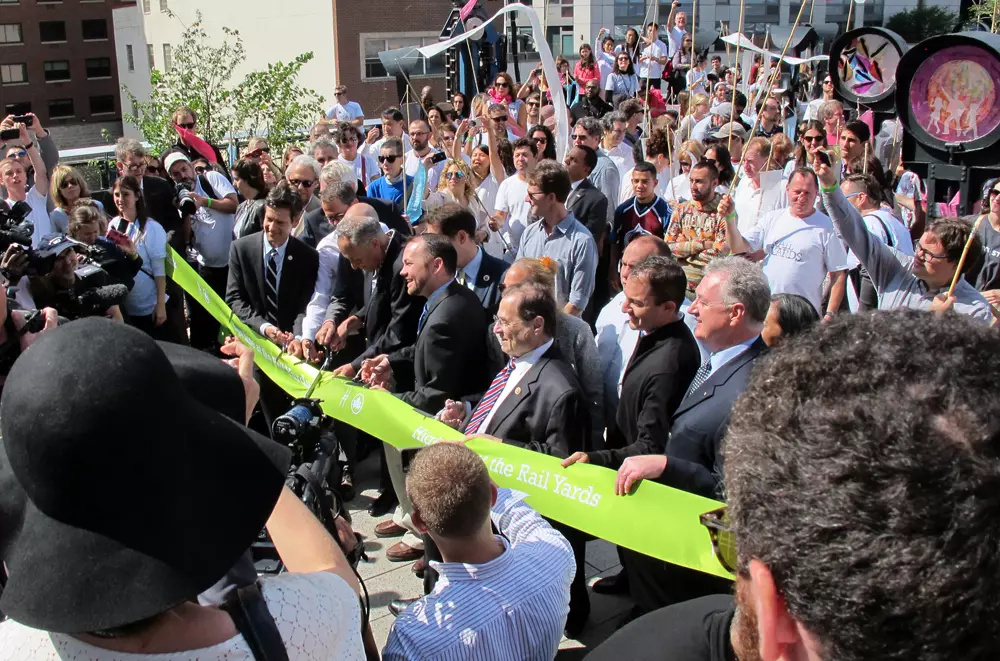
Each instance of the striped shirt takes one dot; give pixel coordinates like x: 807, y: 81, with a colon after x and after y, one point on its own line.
x: 512, y: 607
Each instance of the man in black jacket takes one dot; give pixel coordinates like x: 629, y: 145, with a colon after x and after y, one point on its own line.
x: 271, y: 278
x: 591, y: 104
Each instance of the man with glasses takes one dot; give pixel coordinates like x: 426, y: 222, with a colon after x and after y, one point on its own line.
x: 303, y: 176
x: 186, y: 118
x: 212, y: 230
x: 420, y: 133
x: 589, y: 131
x: 14, y: 179
x: 812, y: 111
x: 770, y: 117
x: 349, y: 137
x: 591, y: 104
x: 391, y: 185
x: 902, y: 281
x: 344, y: 110
x: 618, y: 149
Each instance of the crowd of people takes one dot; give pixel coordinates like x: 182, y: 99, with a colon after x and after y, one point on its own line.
x: 742, y: 296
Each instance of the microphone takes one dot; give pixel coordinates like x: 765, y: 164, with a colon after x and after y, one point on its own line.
x: 102, y: 298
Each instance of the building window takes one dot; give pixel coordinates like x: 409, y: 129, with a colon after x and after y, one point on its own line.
x: 566, y: 12
x: 8, y: 2
x: 145, y: 6
x: 60, y: 108
x: 163, y: 5
x: 129, y: 57
x: 98, y: 67
x: 149, y: 54
x: 51, y: 31
x: 372, y: 45
x: 95, y: 29
x: 168, y: 57
x: 10, y: 33
x: 561, y: 40
x: 102, y: 105
x: 56, y: 71
x: 17, y: 108
x: 13, y: 74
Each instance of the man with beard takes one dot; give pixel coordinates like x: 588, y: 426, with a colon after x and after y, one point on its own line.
x: 696, y: 234
x: 420, y: 133
x: 591, y: 104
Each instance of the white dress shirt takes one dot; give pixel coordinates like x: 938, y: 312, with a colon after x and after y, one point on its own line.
x: 471, y: 270
x: 521, y: 367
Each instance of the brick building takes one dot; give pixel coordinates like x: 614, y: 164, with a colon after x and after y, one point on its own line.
x: 57, y: 60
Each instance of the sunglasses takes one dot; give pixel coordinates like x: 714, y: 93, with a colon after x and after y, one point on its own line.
x: 994, y: 192
x: 187, y: 125
x: 502, y: 118
x: 264, y: 150
x: 454, y: 175
x: 388, y: 159
x: 685, y: 165
x: 532, y: 104
x: 812, y: 138
x: 305, y: 183
x: 66, y: 183
x: 200, y: 169
x: 828, y: 82
x: 17, y: 154
x: 500, y: 84
x: 723, y: 543
x: 541, y: 139
x: 348, y: 139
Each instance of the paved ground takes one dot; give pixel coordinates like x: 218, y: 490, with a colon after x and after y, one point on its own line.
x: 391, y: 580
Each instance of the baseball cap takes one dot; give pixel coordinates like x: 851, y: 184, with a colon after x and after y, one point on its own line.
x: 723, y: 109
x: 731, y: 128
x: 172, y: 158
x: 56, y: 244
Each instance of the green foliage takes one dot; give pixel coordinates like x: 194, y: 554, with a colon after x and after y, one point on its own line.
x: 985, y: 11
x: 915, y: 25
x: 267, y: 103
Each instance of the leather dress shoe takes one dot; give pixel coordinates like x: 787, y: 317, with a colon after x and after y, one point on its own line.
x: 384, y: 504
x: 400, y: 552
x: 397, y: 606
x: 389, y: 529
x: 616, y: 584
x: 418, y: 567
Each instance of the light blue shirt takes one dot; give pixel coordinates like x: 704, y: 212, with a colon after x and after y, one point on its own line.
x: 572, y: 246
x: 512, y: 607
x: 438, y: 293
x: 280, y: 259
x: 471, y: 270
x: 720, y: 358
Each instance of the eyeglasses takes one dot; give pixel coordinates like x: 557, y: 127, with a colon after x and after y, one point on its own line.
x: 336, y: 218
x: 542, y: 139
x: 304, y: 183
x: 685, y: 164
x: 723, y: 541
x: 578, y: 137
x: 994, y: 192
x: 388, y: 159
x: 187, y: 125
x: 17, y: 154
x: 533, y: 104
x: 454, y: 175
x: 828, y: 82
x: 417, y: 133
x: 812, y: 138
x: 502, y: 118
x: 66, y: 183
x: 924, y: 253
x: 500, y: 84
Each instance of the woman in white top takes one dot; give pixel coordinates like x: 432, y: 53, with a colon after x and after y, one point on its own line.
x: 622, y: 83
x: 457, y: 186
x: 146, y: 305
x: 66, y: 189
x: 697, y: 110
x: 604, y: 51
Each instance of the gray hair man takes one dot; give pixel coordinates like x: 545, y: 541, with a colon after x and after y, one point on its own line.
x: 324, y: 150
x: 605, y: 176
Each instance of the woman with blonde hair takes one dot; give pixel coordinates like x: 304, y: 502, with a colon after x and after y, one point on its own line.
x: 458, y: 186
x: 67, y: 188
x: 697, y: 108
x: 679, y: 188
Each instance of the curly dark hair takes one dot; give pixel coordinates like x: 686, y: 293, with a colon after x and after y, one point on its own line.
x: 872, y: 493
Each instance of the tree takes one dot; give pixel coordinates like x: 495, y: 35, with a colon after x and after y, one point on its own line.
x: 267, y: 103
x: 915, y: 25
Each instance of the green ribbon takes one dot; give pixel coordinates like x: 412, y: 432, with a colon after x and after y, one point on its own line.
x: 655, y: 520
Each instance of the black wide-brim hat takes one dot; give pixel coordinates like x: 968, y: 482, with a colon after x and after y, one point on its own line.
x: 125, y: 492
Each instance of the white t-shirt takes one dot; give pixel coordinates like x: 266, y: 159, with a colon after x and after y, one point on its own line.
x: 317, y: 615
x: 375, y: 148
x: 39, y: 215
x: 798, y: 253
x: 676, y: 37
x: 365, y: 167
x: 345, y: 112
x: 649, y: 68
x: 487, y: 194
x: 512, y: 199
x: 213, y: 230
x: 900, y: 236
x: 753, y: 203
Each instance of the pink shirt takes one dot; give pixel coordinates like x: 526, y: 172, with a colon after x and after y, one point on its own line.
x: 583, y: 75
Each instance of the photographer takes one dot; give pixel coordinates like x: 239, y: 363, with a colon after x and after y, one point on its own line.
x: 46, y: 146
x: 61, y: 288
x: 209, y: 200
x: 119, y: 576
x: 14, y: 178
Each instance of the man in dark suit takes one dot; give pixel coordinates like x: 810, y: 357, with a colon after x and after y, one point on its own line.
x: 590, y: 206
x: 479, y: 271
x: 452, y: 332
x: 386, y: 312
x: 271, y: 278
x: 317, y: 223
x: 732, y: 302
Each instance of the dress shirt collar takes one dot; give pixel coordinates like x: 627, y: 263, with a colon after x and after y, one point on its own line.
x: 438, y: 293
x: 497, y: 568
x: 471, y: 270
x: 534, y: 355
x: 564, y: 225
x: 281, y: 250
x: 720, y: 358
x: 573, y: 185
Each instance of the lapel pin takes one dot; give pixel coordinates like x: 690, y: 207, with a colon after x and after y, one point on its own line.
x: 486, y: 278
x: 517, y: 390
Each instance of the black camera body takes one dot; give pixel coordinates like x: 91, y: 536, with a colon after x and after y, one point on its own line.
x: 185, y: 202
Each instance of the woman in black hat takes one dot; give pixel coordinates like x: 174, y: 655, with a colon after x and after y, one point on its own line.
x: 118, y: 516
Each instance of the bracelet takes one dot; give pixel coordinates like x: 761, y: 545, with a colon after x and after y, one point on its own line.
x: 208, y: 203
x: 824, y: 189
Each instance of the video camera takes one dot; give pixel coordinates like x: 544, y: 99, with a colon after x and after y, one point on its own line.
x: 185, y: 202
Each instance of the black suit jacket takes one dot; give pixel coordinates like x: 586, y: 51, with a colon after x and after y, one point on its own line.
x: 590, y: 206
x: 448, y: 360
x: 389, y: 314
x: 657, y: 377
x: 488, y: 281
x: 316, y: 226
x: 694, y: 457
x: 547, y: 412
x: 246, y: 286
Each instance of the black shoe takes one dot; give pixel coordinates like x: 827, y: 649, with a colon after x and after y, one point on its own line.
x: 384, y: 504
x: 575, y: 623
x: 397, y: 606
x: 347, y: 484
x: 617, y: 584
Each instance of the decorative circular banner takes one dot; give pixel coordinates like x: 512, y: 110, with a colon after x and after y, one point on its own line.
x: 954, y: 94
x: 863, y: 66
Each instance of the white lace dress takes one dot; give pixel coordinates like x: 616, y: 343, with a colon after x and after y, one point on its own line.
x: 317, y: 614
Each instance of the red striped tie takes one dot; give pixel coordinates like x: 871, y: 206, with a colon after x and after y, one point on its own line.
x: 489, y: 399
